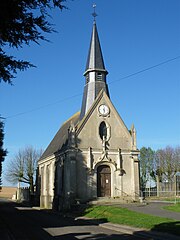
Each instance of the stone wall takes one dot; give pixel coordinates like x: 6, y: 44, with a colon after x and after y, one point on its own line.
x: 8, y: 192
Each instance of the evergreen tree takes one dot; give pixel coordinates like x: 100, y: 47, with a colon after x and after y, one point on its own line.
x: 22, y: 22
x: 146, y: 165
x: 3, y: 152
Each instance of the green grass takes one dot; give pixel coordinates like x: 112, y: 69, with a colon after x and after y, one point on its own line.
x: 174, y: 207
x: 124, y: 216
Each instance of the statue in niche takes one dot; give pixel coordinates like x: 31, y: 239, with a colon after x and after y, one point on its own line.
x: 133, y: 133
x: 120, y: 167
x: 104, y: 133
x: 104, y: 144
x: 103, y: 136
x: 72, y: 135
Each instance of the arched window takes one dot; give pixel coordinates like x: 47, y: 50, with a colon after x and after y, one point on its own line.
x: 103, y: 130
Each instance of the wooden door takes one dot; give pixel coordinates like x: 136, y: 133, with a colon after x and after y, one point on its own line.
x: 103, y: 181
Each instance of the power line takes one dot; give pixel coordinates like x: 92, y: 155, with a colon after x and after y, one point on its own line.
x: 146, y: 69
x: 80, y: 94
x: 44, y: 106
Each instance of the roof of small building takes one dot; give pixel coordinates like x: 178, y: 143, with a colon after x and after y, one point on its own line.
x: 61, y: 137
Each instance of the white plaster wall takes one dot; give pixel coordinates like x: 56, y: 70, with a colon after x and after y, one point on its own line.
x: 47, y: 173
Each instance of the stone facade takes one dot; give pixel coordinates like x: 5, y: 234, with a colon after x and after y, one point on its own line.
x: 93, y: 154
x: 76, y: 172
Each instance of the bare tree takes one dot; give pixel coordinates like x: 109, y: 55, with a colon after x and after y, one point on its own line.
x: 168, y: 163
x: 22, y: 167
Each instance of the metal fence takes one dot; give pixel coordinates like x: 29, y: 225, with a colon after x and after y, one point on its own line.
x: 155, y: 193
x: 166, y: 189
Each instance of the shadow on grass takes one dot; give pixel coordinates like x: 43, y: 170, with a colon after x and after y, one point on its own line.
x: 169, y: 227
x: 31, y: 224
x: 163, y: 228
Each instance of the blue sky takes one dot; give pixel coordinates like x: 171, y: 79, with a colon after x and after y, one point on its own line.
x: 134, y: 35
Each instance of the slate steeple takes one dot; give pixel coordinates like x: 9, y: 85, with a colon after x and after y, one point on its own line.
x: 95, y: 73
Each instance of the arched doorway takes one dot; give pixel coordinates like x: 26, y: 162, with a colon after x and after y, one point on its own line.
x: 103, y: 181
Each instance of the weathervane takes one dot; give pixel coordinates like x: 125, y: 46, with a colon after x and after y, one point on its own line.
x: 94, y: 14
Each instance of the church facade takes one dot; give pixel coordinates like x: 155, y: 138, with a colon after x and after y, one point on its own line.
x: 94, y: 154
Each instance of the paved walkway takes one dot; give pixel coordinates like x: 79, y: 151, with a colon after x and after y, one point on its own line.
x: 153, y: 208
x: 19, y: 222
x: 25, y: 223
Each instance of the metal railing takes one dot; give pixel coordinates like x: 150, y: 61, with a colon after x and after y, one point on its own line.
x: 173, y: 196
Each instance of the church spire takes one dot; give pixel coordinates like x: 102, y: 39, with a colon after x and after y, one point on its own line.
x: 95, y: 59
x: 95, y: 72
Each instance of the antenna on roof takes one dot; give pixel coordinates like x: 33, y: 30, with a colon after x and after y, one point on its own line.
x: 94, y: 14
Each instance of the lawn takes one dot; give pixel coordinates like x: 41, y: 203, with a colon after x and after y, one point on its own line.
x: 174, y: 207
x: 124, y: 216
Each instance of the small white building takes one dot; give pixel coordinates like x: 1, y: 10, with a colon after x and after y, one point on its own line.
x: 93, y: 154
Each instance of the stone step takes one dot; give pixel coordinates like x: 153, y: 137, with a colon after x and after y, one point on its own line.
x: 106, y: 200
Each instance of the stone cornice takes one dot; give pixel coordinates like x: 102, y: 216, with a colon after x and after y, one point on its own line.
x: 47, y: 159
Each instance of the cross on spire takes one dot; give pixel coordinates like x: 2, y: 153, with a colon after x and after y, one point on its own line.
x: 94, y: 14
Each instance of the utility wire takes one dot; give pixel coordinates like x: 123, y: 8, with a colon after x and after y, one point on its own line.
x: 44, y: 106
x: 146, y: 69
x: 79, y: 94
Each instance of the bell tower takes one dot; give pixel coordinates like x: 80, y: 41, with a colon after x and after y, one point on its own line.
x: 95, y: 72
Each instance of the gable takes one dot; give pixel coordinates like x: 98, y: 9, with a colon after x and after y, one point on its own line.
x: 88, y: 129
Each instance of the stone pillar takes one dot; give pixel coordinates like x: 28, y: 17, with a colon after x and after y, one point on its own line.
x: 89, y: 158
x: 42, y: 174
x: 51, y: 184
x: 70, y: 178
x: 158, y: 185
x: 135, y: 175
x: 18, y: 193
x: 66, y: 183
x: 46, y: 185
x: 73, y: 176
x: 119, y: 174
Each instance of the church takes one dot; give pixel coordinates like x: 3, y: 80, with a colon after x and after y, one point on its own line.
x: 93, y: 155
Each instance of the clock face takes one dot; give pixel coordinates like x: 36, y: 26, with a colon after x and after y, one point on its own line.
x: 104, y: 110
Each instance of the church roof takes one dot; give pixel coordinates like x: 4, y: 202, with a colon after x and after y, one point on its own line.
x: 95, y: 59
x: 60, y: 139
